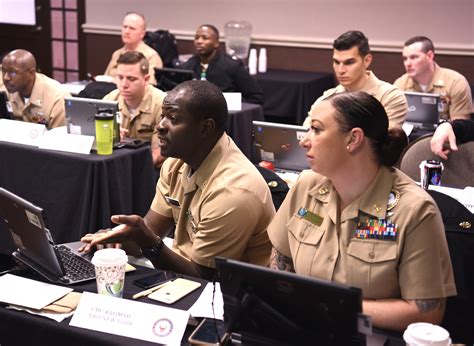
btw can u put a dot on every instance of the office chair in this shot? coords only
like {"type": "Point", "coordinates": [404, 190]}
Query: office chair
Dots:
{"type": "Point", "coordinates": [458, 169]}
{"type": "Point", "coordinates": [459, 227]}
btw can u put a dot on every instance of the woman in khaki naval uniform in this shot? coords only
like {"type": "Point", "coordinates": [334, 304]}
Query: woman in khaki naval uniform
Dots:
{"type": "Point", "coordinates": [354, 219]}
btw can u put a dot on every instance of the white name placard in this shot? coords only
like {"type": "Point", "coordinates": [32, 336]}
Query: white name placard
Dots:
{"type": "Point", "coordinates": [130, 318]}
{"type": "Point", "coordinates": [234, 101]}
{"type": "Point", "coordinates": [21, 132]}
{"type": "Point", "coordinates": [80, 144]}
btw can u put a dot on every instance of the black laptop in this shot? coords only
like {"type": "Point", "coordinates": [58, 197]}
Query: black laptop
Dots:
{"type": "Point", "coordinates": [35, 245]}
{"type": "Point", "coordinates": [423, 111]}
{"type": "Point", "coordinates": [263, 306]}
{"type": "Point", "coordinates": [168, 78]}
{"type": "Point", "coordinates": [6, 111]}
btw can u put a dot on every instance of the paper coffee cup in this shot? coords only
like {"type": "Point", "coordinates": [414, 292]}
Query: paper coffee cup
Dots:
{"type": "Point", "coordinates": [419, 334]}
{"type": "Point", "coordinates": [110, 271]}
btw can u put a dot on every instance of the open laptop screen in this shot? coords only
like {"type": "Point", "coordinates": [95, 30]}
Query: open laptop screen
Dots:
{"type": "Point", "coordinates": [279, 143]}
{"type": "Point", "coordinates": [263, 305]}
{"type": "Point", "coordinates": [422, 109]}
{"type": "Point", "coordinates": [168, 78]}
{"type": "Point", "coordinates": [30, 235]}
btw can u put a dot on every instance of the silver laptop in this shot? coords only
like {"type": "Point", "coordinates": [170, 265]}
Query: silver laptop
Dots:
{"type": "Point", "coordinates": [6, 111]}
{"type": "Point", "coordinates": [423, 110]}
{"type": "Point", "coordinates": [279, 144]}
{"type": "Point", "coordinates": [80, 115]}
{"type": "Point", "coordinates": [35, 245]}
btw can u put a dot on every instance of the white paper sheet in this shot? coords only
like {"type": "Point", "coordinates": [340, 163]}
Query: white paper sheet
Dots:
{"type": "Point", "coordinates": [203, 306]}
{"type": "Point", "coordinates": [29, 293]}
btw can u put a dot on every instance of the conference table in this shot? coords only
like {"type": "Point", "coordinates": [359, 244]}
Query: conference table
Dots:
{"type": "Point", "coordinates": [21, 328]}
{"type": "Point", "coordinates": [290, 94]}
{"type": "Point", "coordinates": [78, 193]}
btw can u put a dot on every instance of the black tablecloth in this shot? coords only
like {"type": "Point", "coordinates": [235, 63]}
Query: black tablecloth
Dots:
{"type": "Point", "coordinates": [21, 328]}
{"type": "Point", "coordinates": [290, 94]}
{"type": "Point", "coordinates": [78, 192]}
{"type": "Point", "coordinates": [240, 126]}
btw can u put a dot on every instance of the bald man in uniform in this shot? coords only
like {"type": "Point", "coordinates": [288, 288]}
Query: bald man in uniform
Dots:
{"type": "Point", "coordinates": [212, 195]}
{"type": "Point", "coordinates": [34, 97]}
{"type": "Point", "coordinates": [133, 32]}
{"type": "Point", "coordinates": [351, 60]}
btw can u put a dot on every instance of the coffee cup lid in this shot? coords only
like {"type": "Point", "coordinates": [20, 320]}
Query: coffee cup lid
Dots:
{"type": "Point", "coordinates": [110, 256]}
{"type": "Point", "coordinates": [426, 334]}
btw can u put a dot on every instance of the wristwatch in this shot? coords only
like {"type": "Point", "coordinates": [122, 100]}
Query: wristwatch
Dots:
{"type": "Point", "coordinates": [155, 250]}
{"type": "Point", "coordinates": [442, 121]}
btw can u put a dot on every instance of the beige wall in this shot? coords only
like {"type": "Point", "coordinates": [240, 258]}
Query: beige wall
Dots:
{"type": "Point", "coordinates": [304, 23]}
{"type": "Point", "coordinates": [298, 34]}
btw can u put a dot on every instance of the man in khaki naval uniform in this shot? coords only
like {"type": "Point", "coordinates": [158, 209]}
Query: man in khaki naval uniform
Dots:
{"type": "Point", "coordinates": [140, 103]}
{"type": "Point", "coordinates": [216, 198]}
{"type": "Point", "coordinates": [34, 97]}
{"type": "Point", "coordinates": [133, 32]}
{"type": "Point", "coordinates": [423, 74]}
{"type": "Point", "coordinates": [351, 59]}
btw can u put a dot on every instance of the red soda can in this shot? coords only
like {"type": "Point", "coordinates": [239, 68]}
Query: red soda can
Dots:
{"type": "Point", "coordinates": [430, 173]}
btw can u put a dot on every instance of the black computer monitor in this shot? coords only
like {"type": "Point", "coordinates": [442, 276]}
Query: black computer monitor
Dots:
{"type": "Point", "coordinates": [168, 78]}
{"type": "Point", "coordinates": [266, 306]}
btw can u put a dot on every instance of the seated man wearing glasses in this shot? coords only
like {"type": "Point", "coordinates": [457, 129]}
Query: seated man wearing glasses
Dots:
{"type": "Point", "coordinates": [34, 97]}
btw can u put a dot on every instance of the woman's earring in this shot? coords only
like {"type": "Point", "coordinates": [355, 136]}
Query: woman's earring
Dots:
{"type": "Point", "coordinates": [347, 148]}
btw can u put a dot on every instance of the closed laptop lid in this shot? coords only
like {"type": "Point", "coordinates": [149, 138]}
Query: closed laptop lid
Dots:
{"type": "Point", "coordinates": [422, 109]}
{"type": "Point", "coordinates": [279, 143]}
{"type": "Point", "coordinates": [80, 115]}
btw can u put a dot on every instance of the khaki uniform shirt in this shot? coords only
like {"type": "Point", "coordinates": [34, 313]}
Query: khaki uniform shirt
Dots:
{"type": "Point", "coordinates": [150, 54]}
{"type": "Point", "coordinates": [391, 98]}
{"type": "Point", "coordinates": [456, 99]}
{"type": "Point", "coordinates": [45, 105]}
{"type": "Point", "coordinates": [223, 209]}
{"type": "Point", "coordinates": [143, 122]}
{"type": "Point", "coordinates": [414, 264]}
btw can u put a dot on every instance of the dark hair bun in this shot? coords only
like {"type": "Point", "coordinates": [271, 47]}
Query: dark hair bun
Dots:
{"type": "Point", "coordinates": [393, 146]}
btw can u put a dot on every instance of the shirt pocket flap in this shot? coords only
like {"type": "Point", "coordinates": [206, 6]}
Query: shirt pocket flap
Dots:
{"type": "Point", "coordinates": [372, 251]}
{"type": "Point", "coordinates": [304, 231]}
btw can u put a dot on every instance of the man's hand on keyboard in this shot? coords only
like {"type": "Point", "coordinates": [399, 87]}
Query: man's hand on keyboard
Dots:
{"type": "Point", "coordinates": [131, 229]}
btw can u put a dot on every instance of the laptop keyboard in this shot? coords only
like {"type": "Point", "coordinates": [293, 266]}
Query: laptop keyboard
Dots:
{"type": "Point", "coordinates": [75, 267]}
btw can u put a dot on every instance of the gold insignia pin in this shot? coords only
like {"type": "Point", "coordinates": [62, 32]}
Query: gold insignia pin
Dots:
{"type": "Point", "coordinates": [323, 190]}
{"type": "Point", "coordinates": [465, 225]}
{"type": "Point", "coordinates": [272, 183]}
{"type": "Point", "coordinates": [377, 208]}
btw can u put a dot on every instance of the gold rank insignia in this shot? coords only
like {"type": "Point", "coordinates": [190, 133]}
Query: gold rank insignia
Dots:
{"type": "Point", "coordinates": [323, 190]}
{"type": "Point", "coordinates": [393, 199]}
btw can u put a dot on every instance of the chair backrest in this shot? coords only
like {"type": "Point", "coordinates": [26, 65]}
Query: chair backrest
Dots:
{"type": "Point", "coordinates": [458, 169]}
{"type": "Point", "coordinates": [459, 226]}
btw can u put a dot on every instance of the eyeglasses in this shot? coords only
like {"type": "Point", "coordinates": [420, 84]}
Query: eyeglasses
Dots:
{"type": "Point", "coordinates": [11, 74]}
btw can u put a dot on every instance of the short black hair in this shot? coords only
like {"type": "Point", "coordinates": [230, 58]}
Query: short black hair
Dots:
{"type": "Point", "coordinates": [359, 109]}
{"type": "Point", "coordinates": [351, 39]}
{"type": "Point", "coordinates": [426, 43]}
{"type": "Point", "coordinates": [134, 57]}
{"type": "Point", "coordinates": [205, 100]}
{"type": "Point", "coordinates": [213, 28]}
